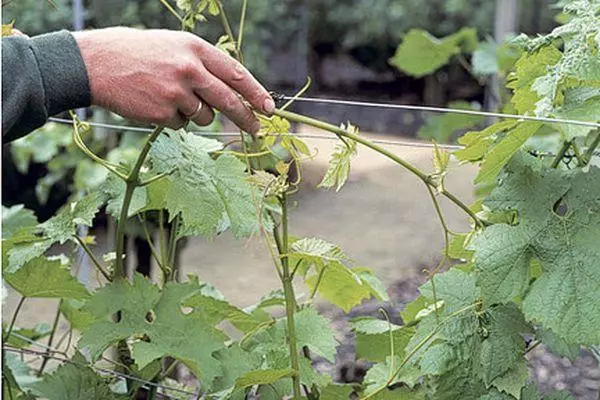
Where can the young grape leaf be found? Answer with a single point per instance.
(527, 69)
(339, 164)
(74, 383)
(558, 214)
(32, 242)
(208, 193)
(341, 285)
(503, 151)
(144, 310)
(478, 143)
(15, 218)
(45, 278)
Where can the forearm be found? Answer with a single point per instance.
(41, 76)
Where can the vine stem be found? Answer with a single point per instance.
(50, 339)
(228, 31)
(560, 154)
(92, 257)
(14, 318)
(241, 29)
(290, 299)
(590, 151)
(132, 182)
(343, 133)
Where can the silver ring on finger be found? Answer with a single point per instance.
(197, 112)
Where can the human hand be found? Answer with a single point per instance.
(161, 76)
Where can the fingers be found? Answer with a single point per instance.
(232, 73)
(220, 96)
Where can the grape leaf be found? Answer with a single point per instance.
(74, 383)
(114, 187)
(336, 392)
(558, 217)
(503, 151)
(236, 362)
(340, 285)
(504, 346)
(588, 110)
(527, 69)
(263, 377)
(478, 143)
(145, 310)
(312, 330)
(32, 242)
(513, 381)
(420, 54)
(214, 310)
(45, 278)
(373, 338)
(208, 193)
(338, 169)
(15, 218)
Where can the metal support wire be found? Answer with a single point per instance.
(63, 358)
(404, 143)
(444, 110)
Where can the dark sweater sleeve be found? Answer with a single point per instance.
(41, 76)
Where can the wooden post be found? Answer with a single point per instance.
(505, 23)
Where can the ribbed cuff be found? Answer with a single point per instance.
(63, 71)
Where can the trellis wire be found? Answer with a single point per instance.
(146, 384)
(404, 143)
(443, 110)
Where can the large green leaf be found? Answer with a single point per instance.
(45, 278)
(558, 223)
(210, 194)
(74, 383)
(32, 242)
(421, 54)
(146, 310)
(15, 218)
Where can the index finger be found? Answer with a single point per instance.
(235, 75)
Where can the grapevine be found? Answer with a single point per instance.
(526, 274)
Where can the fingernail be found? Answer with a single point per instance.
(269, 106)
